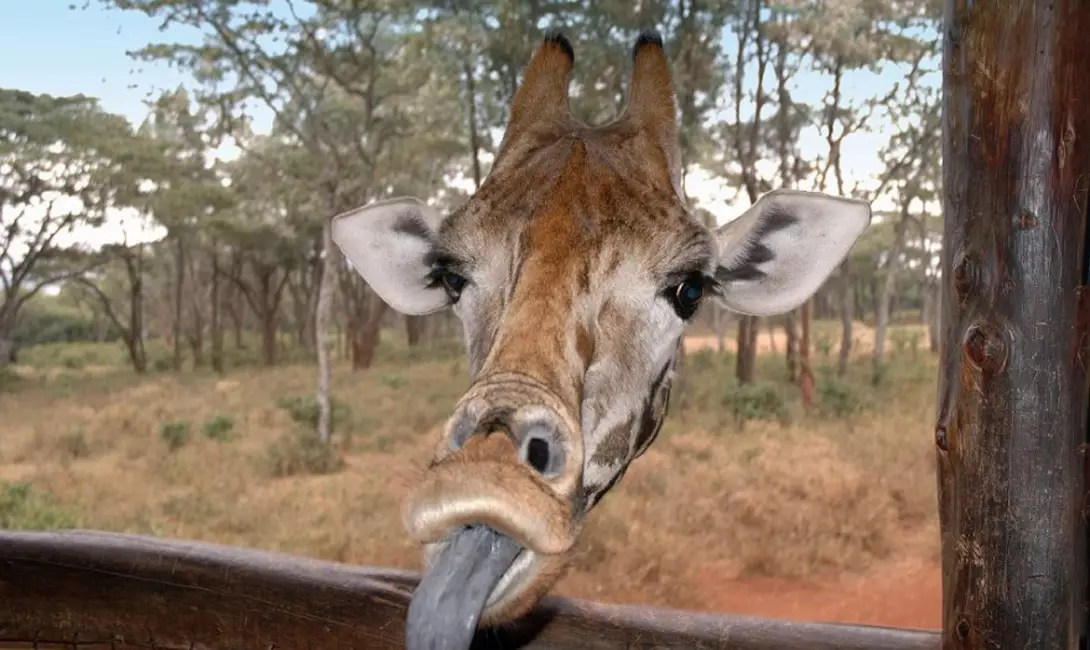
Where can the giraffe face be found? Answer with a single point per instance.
(574, 270)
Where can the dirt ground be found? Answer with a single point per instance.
(906, 594)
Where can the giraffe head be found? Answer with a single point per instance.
(574, 270)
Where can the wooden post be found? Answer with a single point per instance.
(1013, 392)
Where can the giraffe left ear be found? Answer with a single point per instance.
(781, 250)
(389, 243)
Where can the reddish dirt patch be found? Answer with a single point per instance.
(906, 594)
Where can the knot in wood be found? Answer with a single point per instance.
(941, 439)
(962, 630)
(966, 275)
(985, 347)
(1026, 220)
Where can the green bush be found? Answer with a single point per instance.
(303, 410)
(835, 397)
(301, 452)
(22, 507)
(219, 428)
(760, 400)
(175, 433)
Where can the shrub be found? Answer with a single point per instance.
(835, 397)
(219, 428)
(303, 410)
(761, 400)
(175, 433)
(301, 452)
(22, 507)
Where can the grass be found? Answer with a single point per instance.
(227, 459)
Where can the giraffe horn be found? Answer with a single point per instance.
(543, 95)
(652, 107)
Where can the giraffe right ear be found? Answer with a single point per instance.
(389, 243)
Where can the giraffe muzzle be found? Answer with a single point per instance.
(510, 459)
(495, 510)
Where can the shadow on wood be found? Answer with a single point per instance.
(91, 589)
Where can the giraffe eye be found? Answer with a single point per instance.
(453, 283)
(687, 295)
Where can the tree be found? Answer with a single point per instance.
(67, 165)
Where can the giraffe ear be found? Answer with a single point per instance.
(783, 248)
(389, 243)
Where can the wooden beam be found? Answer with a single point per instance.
(102, 590)
(1013, 392)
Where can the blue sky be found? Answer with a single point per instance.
(49, 48)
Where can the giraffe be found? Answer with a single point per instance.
(574, 269)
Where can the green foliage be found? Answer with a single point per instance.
(835, 397)
(23, 507)
(65, 147)
(219, 428)
(175, 433)
(760, 400)
(44, 319)
(303, 410)
(301, 452)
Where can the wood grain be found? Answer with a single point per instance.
(1013, 390)
(87, 589)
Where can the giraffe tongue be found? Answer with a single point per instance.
(447, 605)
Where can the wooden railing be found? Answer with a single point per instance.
(87, 589)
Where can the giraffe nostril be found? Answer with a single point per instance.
(540, 448)
(537, 454)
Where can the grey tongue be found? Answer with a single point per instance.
(447, 604)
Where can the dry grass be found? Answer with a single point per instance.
(709, 502)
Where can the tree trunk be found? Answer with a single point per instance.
(1011, 431)
(743, 366)
(236, 326)
(215, 325)
(269, 334)
(7, 351)
(717, 325)
(474, 136)
(748, 327)
(414, 329)
(365, 337)
(934, 323)
(134, 265)
(791, 334)
(196, 341)
(847, 302)
(881, 316)
(179, 286)
(806, 375)
(322, 318)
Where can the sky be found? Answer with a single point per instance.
(48, 47)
